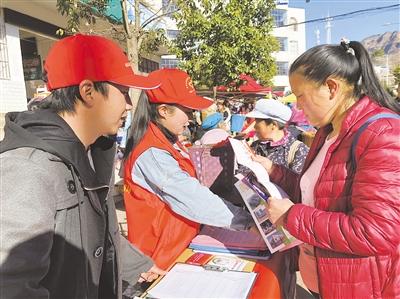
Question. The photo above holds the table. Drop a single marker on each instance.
(267, 283)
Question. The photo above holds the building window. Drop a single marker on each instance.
(283, 68)
(294, 47)
(294, 22)
(147, 65)
(172, 34)
(283, 43)
(169, 7)
(169, 63)
(4, 62)
(279, 16)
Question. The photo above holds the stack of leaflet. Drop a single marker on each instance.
(222, 241)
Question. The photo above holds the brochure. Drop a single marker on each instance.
(224, 237)
(243, 155)
(230, 242)
(255, 197)
(219, 262)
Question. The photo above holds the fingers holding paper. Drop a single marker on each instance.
(277, 209)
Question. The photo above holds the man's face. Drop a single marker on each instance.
(112, 109)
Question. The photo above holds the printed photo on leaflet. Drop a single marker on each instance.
(255, 197)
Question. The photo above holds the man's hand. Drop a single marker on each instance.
(152, 274)
(277, 209)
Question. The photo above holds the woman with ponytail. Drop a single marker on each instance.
(346, 205)
(164, 201)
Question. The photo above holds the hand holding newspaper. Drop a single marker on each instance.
(243, 157)
(255, 190)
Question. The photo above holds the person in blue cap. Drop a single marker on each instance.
(212, 121)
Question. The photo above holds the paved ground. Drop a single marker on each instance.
(302, 292)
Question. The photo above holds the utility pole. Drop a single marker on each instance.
(317, 36)
(328, 28)
(387, 70)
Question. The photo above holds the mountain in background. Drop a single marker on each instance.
(389, 42)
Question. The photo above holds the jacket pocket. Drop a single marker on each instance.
(348, 277)
(67, 196)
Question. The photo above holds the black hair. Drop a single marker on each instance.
(145, 113)
(349, 61)
(64, 99)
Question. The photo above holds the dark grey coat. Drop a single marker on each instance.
(59, 233)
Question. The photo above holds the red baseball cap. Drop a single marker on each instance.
(76, 58)
(176, 88)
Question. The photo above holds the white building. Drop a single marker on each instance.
(27, 31)
(292, 40)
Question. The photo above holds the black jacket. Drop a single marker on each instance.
(59, 231)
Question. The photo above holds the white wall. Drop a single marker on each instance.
(12, 91)
(291, 34)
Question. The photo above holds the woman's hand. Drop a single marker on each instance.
(277, 209)
(265, 162)
(152, 274)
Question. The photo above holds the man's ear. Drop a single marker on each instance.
(86, 90)
(333, 86)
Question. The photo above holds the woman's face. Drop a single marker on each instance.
(264, 131)
(317, 102)
(175, 118)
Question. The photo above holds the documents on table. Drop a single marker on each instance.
(223, 241)
(190, 281)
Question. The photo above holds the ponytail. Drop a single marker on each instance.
(145, 113)
(370, 84)
(140, 122)
(349, 61)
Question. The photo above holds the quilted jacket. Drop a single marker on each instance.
(355, 225)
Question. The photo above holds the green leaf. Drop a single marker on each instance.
(219, 40)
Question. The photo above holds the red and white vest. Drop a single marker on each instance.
(152, 226)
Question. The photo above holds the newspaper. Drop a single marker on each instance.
(255, 189)
(243, 156)
(255, 197)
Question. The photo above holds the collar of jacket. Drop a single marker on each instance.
(47, 131)
(361, 109)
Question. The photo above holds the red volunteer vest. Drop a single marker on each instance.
(152, 226)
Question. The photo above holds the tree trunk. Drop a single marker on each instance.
(132, 44)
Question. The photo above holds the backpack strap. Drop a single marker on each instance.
(362, 129)
(292, 151)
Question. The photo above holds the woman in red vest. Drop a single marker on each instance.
(164, 201)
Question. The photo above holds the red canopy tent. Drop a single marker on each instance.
(250, 85)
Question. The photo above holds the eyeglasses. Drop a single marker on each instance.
(124, 90)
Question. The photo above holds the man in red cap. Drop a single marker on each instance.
(59, 232)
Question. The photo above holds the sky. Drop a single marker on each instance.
(355, 27)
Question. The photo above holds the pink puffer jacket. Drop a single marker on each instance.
(355, 226)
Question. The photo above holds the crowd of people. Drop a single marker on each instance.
(59, 233)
